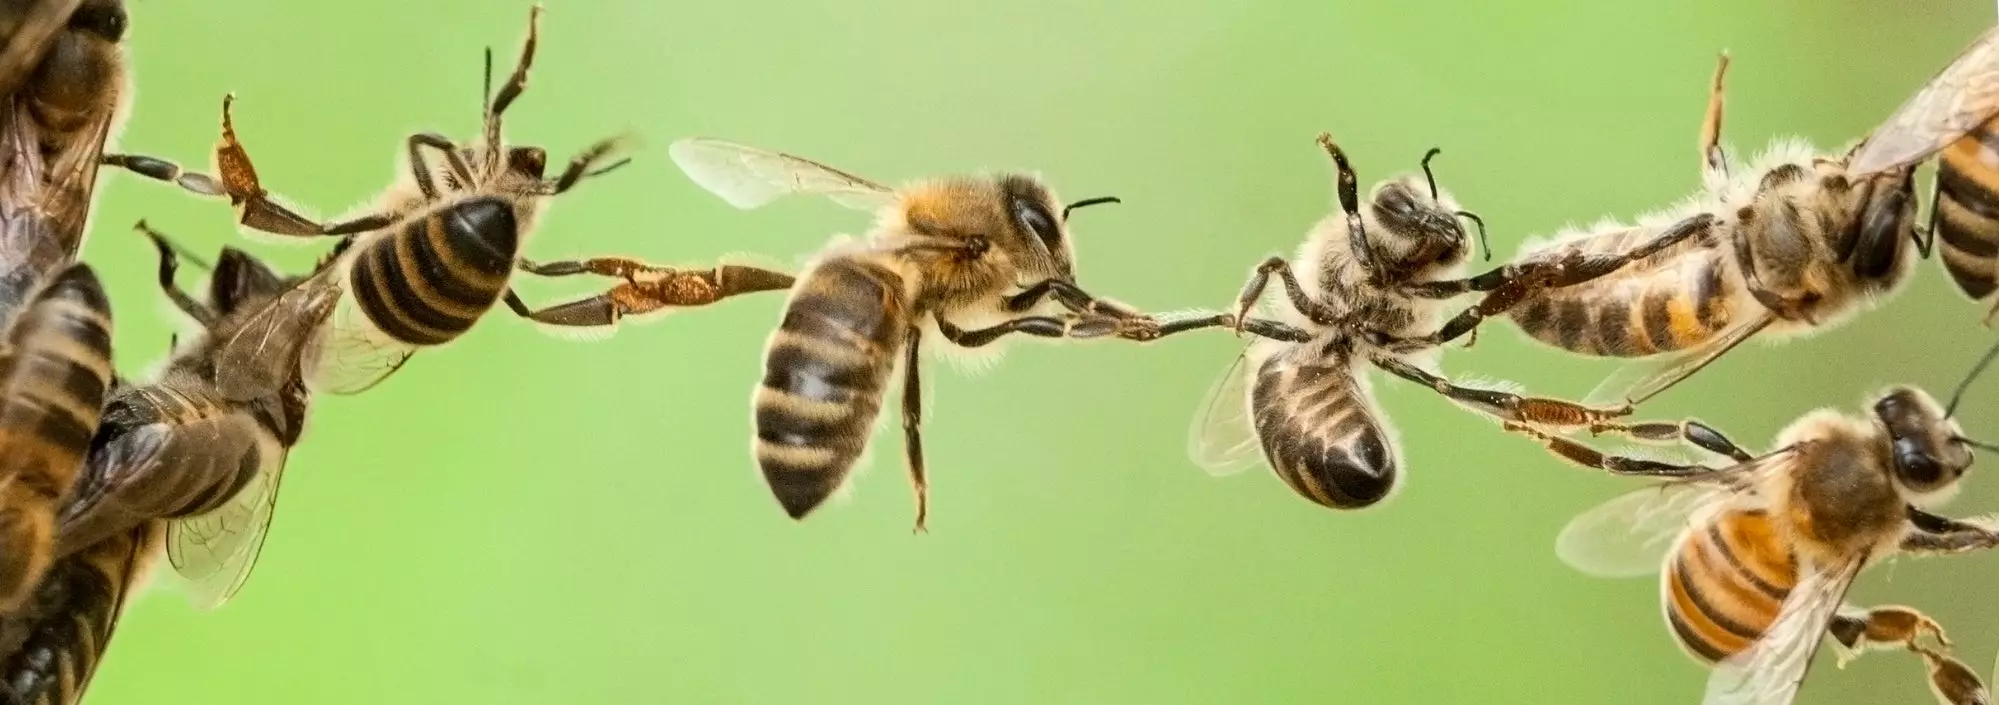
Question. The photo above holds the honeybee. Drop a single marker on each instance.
(438, 250)
(53, 650)
(1755, 558)
(967, 259)
(1310, 406)
(1797, 244)
(1953, 114)
(54, 373)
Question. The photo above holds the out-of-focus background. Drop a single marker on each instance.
(523, 519)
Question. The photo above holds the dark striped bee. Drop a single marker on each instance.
(1953, 114)
(177, 462)
(1310, 406)
(1796, 243)
(438, 250)
(1755, 558)
(968, 259)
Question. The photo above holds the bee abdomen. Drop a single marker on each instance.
(58, 371)
(1967, 215)
(427, 282)
(1726, 583)
(824, 372)
(1320, 437)
(1670, 309)
(77, 610)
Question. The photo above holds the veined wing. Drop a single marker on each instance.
(1630, 535)
(1223, 438)
(353, 354)
(72, 181)
(1638, 382)
(1964, 95)
(216, 550)
(265, 352)
(1770, 671)
(748, 177)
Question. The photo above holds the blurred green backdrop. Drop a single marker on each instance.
(520, 519)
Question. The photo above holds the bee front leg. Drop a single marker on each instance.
(169, 266)
(912, 425)
(1037, 326)
(1933, 534)
(1712, 156)
(646, 289)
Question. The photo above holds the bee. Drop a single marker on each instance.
(1755, 558)
(967, 259)
(1795, 244)
(176, 463)
(55, 371)
(438, 250)
(1951, 118)
(53, 127)
(1364, 273)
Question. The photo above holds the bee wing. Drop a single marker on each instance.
(265, 351)
(748, 177)
(72, 182)
(1957, 100)
(1223, 439)
(215, 550)
(1770, 671)
(26, 26)
(159, 456)
(1630, 535)
(354, 355)
(1638, 382)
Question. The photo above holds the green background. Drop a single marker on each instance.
(521, 519)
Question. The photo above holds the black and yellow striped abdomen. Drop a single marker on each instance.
(52, 388)
(825, 370)
(1319, 432)
(1966, 218)
(1659, 305)
(431, 277)
(1726, 582)
(75, 613)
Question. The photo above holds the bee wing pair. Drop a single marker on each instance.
(1964, 95)
(1631, 535)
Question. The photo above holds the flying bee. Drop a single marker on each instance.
(55, 370)
(1953, 114)
(968, 259)
(1795, 244)
(1755, 558)
(438, 250)
(54, 124)
(1310, 405)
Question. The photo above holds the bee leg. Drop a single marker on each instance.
(420, 169)
(1934, 534)
(1588, 457)
(1349, 192)
(1260, 327)
(169, 266)
(1313, 309)
(1952, 682)
(1699, 434)
(1037, 326)
(912, 425)
(646, 289)
(1506, 406)
(1894, 625)
(511, 90)
(1711, 154)
(579, 166)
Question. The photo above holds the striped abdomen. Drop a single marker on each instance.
(825, 370)
(55, 378)
(1659, 305)
(1319, 432)
(76, 611)
(1966, 217)
(1725, 583)
(432, 276)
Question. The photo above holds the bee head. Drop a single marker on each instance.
(1415, 229)
(1928, 449)
(1018, 215)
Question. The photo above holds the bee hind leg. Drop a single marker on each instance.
(1580, 454)
(1952, 682)
(646, 289)
(1690, 431)
(912, 426)
(1508, 407)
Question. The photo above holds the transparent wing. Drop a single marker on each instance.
(1964, 95)
(1223, 439)
(1770, 671)
(215, 550)
(1630, 535)
(352, 354)
(1637, 382)
(264, 353)
(72, 182)
(748, 177)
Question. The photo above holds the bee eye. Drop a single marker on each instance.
(106, 20)
(1916, 467)
(1037, 220)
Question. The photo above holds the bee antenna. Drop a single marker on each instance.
(1088, 202)
(1977, 444)
(486, 91)
(1958, 394)
(1432, 178)
(1483, 246)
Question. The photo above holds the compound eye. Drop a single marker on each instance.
(1916, 468)
(1037, 220)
